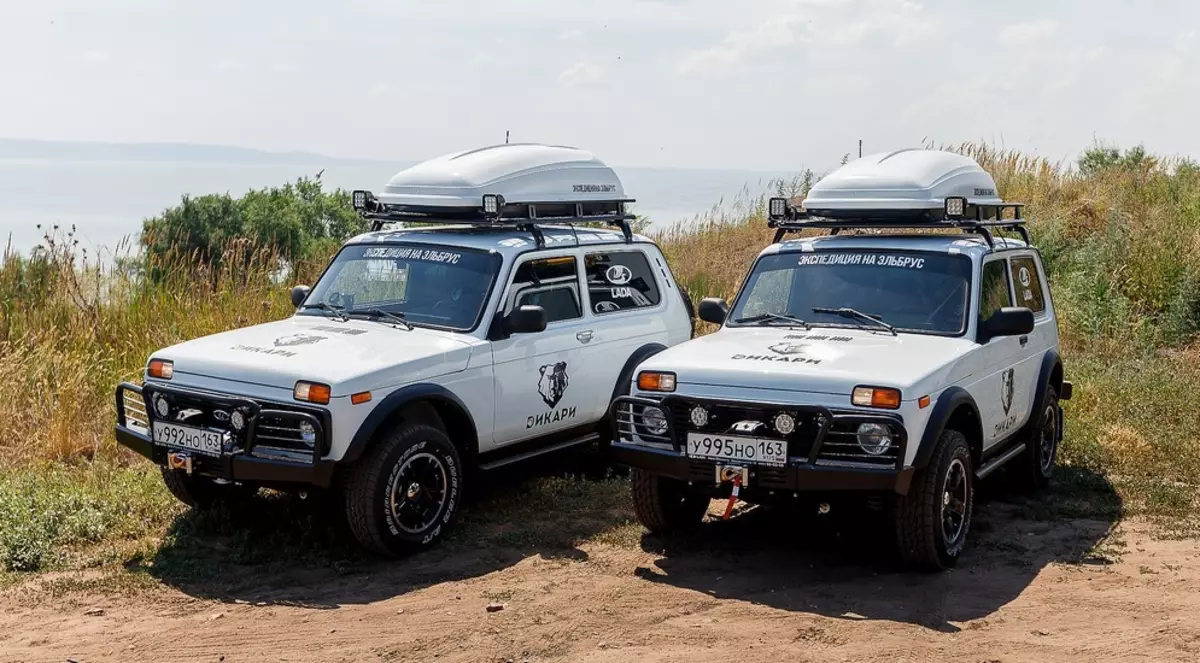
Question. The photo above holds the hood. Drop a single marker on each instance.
(349, 356)
(822, 360)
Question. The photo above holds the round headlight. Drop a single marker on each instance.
(874, 438)
(308, 434)
(161, 407)
(654, 420)
(237, 419)
(785, 424)
(699, 416)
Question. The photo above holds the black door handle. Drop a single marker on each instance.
(1023, 340)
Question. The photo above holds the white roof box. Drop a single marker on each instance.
(912, 179)
(520, 172)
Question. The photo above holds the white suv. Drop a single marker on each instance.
(423, 352)
(888, 362)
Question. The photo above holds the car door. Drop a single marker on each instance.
(995, 387)
(1029, 285)
(624, 300)
(539, 378)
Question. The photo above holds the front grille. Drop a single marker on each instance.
(723, 416)
(269, 430)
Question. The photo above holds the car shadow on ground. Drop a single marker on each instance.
(846, 567)
(282, 550)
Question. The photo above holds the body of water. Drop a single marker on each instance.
(107, 200)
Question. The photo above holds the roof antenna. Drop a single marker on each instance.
(506, 136)
(859, 148)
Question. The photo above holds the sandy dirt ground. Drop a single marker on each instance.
(751, 589)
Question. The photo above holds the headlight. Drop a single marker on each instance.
(874, 438)
(654, 420)
(308, 434)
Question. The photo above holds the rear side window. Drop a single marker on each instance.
(1029, 284)
(552, 283)
(994, 292)
(619, 281)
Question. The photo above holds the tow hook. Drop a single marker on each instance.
(735, 475)
(823, 508)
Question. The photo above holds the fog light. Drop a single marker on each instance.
(654, 420)
(699, 416)
(785, 424)
(308, 434)
(874, 439)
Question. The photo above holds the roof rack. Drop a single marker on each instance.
(495, 212)
(957, 212)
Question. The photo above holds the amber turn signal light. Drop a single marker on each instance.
(312, 392)
(653, 381)
(161, 369)
(360, 398)
(880, 397)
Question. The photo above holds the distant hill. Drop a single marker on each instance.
(82, 151)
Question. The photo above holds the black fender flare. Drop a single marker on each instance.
(396, 401)
(1050, 361)
(625, 378)
(947, 403)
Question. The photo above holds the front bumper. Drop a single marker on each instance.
(816, 461)
(240, 465)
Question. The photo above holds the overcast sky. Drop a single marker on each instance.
(758, 84)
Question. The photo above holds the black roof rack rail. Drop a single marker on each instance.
(980, 219)
(495, 212)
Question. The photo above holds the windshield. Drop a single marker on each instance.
(910, 291)
(434, 286)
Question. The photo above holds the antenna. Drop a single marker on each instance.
(506, 136)
(859, 148)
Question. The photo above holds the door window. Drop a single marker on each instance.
(620, 281)
(552, 283)
(995, 292)
(1029, 284)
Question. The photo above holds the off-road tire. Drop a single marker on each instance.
(373, 486)
(665, 505)
(203, 493)
(921, 533)
(1031, 471)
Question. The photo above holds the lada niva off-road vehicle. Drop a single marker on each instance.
(422, 352)
(899, 363)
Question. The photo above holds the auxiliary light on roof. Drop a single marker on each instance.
(492, 203)
(955, 208)
(364, 201)
(777, 208)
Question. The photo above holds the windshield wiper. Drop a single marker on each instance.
(846, 312)
(767, 317)
(338, 311)
(397, 318)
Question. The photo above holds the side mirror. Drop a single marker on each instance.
(1008, 321)
(525, 320)
(714, 310)
(299, 294)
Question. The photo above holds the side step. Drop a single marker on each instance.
(591, 437)
(995, 463)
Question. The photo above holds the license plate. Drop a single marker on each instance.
(737, 448)
(188, 437)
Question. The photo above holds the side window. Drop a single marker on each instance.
(552, 283)
(1029, 284)
(620, 281)
(994, 292)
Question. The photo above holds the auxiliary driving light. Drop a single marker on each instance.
(777, 208)
(654, 420)
(699, 416)
(237, 419)
(874, 439)
(785, 424)
(492, 203)
(161, 407)
(956, 207)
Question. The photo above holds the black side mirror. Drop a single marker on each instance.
(1008, 321)
(714, 310)
(525, 320)
(299, 294)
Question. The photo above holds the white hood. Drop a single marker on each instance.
(349, 356)
(822, 360)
